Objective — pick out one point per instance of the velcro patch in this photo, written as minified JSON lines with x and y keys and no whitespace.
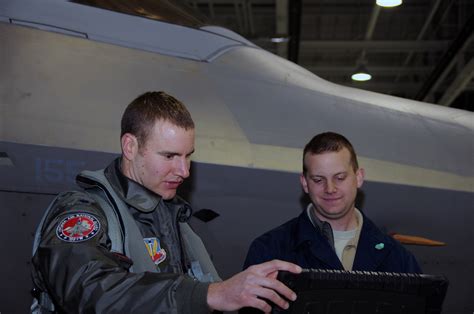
{"x":157,"y":253}
{"x":78,"y":227}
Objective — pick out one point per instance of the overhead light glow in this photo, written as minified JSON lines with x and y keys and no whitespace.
{"x":361,"y":77}
{"x":279,"y":39}
{"x":388,"y":3}
{"x":361,"y":74}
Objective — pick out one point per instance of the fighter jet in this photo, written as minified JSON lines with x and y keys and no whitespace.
{"x":68,"y":70}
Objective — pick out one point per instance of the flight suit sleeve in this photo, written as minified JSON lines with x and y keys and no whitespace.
{"x":74,"y":264}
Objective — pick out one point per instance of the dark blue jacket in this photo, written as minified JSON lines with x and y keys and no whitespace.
{"x":298,"y":241}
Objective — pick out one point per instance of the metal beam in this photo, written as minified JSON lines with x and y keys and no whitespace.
{"x":407,"y":89}
{"x":375,"y":70}
{"x":370,"y":31}
{"x":211,"y":9}
{"x":295,"y":11}
{"x":447,"y":60}
{"x":458,"y":85}
{"x":422,"y":32}
{"x":230,"y":2}
{"x":376,"y":45}
{"x":281,"y":27}
{"x":245,"y":17}
{"x":248,"y":5}
{"x":240,"y":23}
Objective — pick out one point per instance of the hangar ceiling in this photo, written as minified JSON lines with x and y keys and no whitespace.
{"x":420,"y":50}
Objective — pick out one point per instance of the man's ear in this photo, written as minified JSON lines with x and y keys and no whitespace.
{"x":129,"y":144}
{"x":360,"y":175}
{"x":303,"y":182}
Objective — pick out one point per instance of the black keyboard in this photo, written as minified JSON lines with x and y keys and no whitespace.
{"x":365,"y":292}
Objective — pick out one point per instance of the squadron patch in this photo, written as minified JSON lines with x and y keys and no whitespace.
{"x":157,"y":253}
{"x":78,"y":227}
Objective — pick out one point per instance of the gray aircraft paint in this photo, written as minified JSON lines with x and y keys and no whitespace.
{"x":249,"y":202}
{"x":62,"y":95}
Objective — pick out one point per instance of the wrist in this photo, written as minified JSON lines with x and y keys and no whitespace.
{"x":213,"y":300}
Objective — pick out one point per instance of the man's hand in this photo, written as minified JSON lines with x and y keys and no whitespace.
{"x":247,"y":288}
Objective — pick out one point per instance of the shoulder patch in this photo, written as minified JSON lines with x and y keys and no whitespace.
{"x":157,"y":253}
{"x":78,"y":227}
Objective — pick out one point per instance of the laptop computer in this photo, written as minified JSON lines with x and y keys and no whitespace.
{"x":362,"y":292}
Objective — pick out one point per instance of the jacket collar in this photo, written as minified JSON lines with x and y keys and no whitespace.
{"x":133,"y":193}
{"x":321,"y":226}
{"x":372,"y":249}
{"x":141,"y":198}
{"x":313,"y":244}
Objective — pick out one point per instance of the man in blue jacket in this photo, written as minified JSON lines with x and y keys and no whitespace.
{"x":332,"y":233}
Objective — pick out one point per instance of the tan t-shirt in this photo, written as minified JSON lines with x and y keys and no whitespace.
{"x":345,"y":242}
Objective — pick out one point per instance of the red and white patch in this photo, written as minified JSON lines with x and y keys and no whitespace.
{"x":78,"y":227}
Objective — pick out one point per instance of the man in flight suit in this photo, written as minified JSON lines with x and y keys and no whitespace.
{"x":122,"y":243}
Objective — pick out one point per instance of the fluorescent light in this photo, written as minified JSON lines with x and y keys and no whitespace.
{"x":388,"y":3}
{"x":361,"y":77}
{"x":279,"y":39}
{"x":361,"y":74}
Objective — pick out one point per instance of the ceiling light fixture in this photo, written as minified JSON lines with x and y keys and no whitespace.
{"x":361,"y":74}
{"x":279,"y":39}
{"x":388,"y":3}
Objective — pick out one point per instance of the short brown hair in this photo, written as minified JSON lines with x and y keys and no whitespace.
{"x":329,"y":142}
{"x":141,"y":114}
